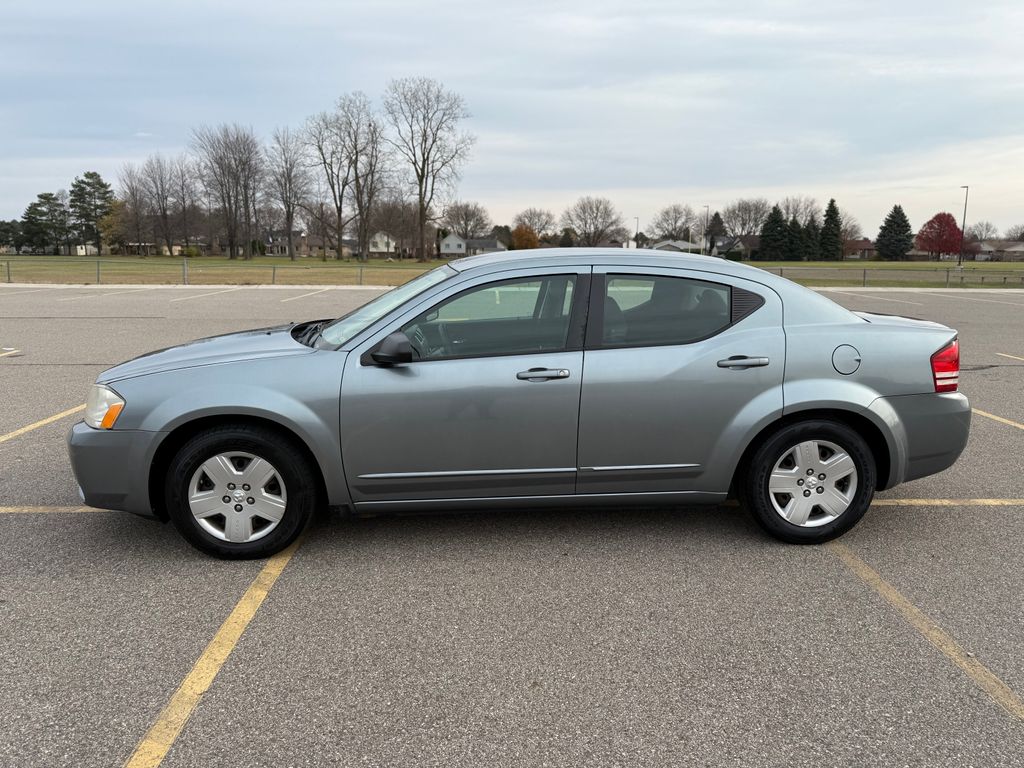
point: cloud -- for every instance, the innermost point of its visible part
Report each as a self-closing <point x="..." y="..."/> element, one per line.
<point x="648" y="101"/>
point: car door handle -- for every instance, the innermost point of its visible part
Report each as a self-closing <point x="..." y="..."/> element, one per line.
<point x="742" y="361"/>
<point x="543" y="374"/>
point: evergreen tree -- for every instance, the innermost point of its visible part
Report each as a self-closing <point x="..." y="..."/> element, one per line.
<point x="812" y="235"/>
<point x="774" y="237"/>
<point x="716" y="229"/>
<point x="91" y="199"/>
<point x="831" y="240"/>
<point x="797" y="248"/>
<point x="895" y="237"/>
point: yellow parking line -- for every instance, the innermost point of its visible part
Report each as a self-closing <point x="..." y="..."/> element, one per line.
<point x="982" y="676"/>
<point x="1000" y="419"/>
<point x="9" y="352"/>
<point x="41" y="423"/>
<point x="161" y="736"/>
<point x="947" y="503"/>
<point x="1012" y="357"/>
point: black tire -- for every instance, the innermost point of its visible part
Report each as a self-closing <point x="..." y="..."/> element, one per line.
<point x="286" y="457"/>
<point x="754" y="486"/>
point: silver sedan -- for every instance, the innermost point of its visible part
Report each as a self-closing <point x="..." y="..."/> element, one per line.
<point x="557" y="377"/>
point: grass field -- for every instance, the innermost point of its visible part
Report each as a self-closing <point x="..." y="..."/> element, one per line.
<point x="282" y="271"/>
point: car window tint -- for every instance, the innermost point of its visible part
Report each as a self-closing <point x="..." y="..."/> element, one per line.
<point x="503" y="318"/>
<point x="643" y="310"/>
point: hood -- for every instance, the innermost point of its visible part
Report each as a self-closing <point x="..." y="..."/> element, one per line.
<point x="876" y="318"/>
<point x="229" y="348"/>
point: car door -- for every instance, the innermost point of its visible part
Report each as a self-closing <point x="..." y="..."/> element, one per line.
<point x="489" y="406"/>
<point x="679" y="365"/>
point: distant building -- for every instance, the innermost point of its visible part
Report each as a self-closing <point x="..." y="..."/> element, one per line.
<point x="453" y="246"/>
<point x="677" y="246"/>
<point x="999" y="250"/>
<point x="861" y="248"/>
<point x="478" y="245"/>
<point x="382" y="244"/>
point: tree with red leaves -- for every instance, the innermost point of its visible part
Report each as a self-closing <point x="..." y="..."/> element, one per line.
<point x="940" y="235"/>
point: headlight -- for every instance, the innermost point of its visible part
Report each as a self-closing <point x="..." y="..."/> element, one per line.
<point x="102" y="407"/>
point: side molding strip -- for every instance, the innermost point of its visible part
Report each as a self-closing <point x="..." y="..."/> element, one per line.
<point x="637" y="467"/>
<point x="466" y="473"/>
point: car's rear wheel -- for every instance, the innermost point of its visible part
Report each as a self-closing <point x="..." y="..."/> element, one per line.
<point x="810" y="482"/>
<point x="240" y="492"/>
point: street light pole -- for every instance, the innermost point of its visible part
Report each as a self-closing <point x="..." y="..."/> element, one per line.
<point x="963" y="228"/>
<point x="704" y="236"/>
<point x="636" y="243"/>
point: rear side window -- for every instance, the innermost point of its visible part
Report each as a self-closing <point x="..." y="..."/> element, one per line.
<point x="653" y="310"/>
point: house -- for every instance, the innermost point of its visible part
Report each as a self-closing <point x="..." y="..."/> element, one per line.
<point x="677" y="246"/>
<point x="999" y="250"/>
<point x="453" y="246"/>
<point x="861" y="248"/>
<point x="477" y="245"/>
<point x="382" y="244"/>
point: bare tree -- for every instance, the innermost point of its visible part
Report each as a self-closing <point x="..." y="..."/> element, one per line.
<point x="217" y="150"/>
<point x="186" y="198"/>
<point x="397" y="216"/>
<point x="325" y="137"/>
<point x="539" y="220"/>
<point x="1016" y="232"/>
<point x="745" y="217"/>
<point x="136" y="201"/>
<point x="982" y="230"/>
<point x="467" y="219"/>
<point x="803" y="207"/>
<point x="288" y="178"/>
<point x="674" y="222"/>
<point x="363" y="138"/>
<point x="158" y="178"/>
<point x="594" y="219"/>
<point x="849" y="227"/>
<point x="425" y="118"/>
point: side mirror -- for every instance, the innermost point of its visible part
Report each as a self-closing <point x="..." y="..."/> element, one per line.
<point x="395" y="349"/>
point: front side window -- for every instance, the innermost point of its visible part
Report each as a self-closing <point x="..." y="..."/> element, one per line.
<point x="521" y="316"/>
<point x="652" y="310"/>
<point x="345" y="328"/>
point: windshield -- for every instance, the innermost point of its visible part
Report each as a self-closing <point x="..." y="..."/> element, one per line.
<point x="344" y="328"/>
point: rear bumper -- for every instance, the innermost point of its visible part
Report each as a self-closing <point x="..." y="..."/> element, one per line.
<point x="112" y="467"/>
<point x="935" y="429"/>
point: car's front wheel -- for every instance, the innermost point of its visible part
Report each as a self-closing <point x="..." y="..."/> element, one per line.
<point x="810" y="482"/>
<point x="239" y="492"/>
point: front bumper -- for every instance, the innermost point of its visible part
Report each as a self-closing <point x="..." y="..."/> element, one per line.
<point x="936" y="427"/>
<point x="112" y="467"/>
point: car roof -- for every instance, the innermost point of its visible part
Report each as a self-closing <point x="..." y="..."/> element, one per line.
<point x="540" y="257"/>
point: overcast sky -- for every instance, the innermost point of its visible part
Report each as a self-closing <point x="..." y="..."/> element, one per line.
<point x="645" y="102"/>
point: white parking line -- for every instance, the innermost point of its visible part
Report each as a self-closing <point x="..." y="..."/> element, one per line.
<point x="212" y="293"/>
<point x="971" y="298"/>
<point x="304" y="295"/>
<point x="878" y="298"/>
<point x="96" y="294"/>
<point x="17" y="292"/>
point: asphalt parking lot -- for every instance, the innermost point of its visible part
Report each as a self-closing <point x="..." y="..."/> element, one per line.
<point x="611" y="637"/>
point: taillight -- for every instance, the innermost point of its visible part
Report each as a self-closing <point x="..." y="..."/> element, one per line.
<point x="946" y="367"/>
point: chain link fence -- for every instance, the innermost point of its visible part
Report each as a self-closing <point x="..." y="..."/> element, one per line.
<point x="197" y="272"/>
